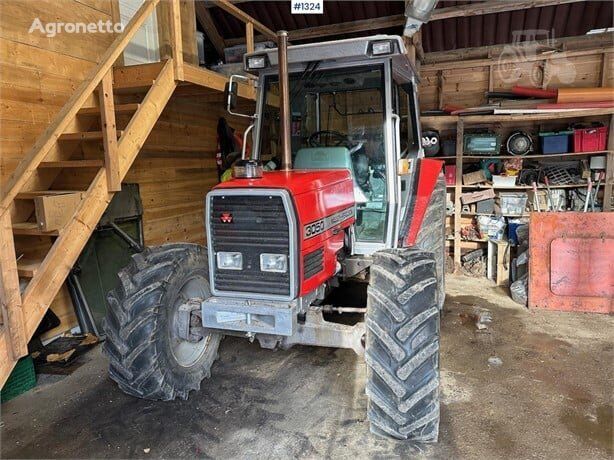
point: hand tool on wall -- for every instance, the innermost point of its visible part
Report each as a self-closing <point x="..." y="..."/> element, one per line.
<point x="552" y="208"/>
<point x="536" y="197"/>
<point x="588" y="194"/>
<point x="594" y="199"/>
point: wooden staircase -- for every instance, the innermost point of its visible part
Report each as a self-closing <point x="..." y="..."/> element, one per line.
<point x="33" y="206"/>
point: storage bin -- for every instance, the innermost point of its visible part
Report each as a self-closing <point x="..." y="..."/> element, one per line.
<point x="503" y="181"/>
<point x="555" y="142"/>
<point x="589" y="138"/>
<point x="450" y="173"/>
<point x="512" y="203"/>
<point x="482" y="144"/>
<point x="448" y="147"/>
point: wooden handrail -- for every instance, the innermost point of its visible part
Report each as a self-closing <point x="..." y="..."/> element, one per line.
<point x="39" y="150"/>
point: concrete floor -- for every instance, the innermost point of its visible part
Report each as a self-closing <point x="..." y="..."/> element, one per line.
<point x="551" y="397"/>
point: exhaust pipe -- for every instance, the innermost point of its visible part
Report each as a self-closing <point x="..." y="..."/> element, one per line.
<point x="284" y="100"/>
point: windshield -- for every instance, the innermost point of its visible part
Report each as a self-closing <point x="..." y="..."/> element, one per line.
<point x="337" y="122"/>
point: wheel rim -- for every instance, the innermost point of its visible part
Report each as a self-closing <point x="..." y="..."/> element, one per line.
<point x="188" y="353"/>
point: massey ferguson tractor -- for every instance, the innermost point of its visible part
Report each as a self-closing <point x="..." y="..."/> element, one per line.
<point x="340" y="245"/>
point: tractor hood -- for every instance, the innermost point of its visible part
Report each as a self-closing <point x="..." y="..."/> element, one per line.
<point x="295" y="181"/>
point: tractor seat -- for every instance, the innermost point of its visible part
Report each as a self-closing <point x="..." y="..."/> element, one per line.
<point x="329" y="158"/>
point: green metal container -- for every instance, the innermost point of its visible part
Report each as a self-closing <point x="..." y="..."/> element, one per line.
<point x="481" y="144"/>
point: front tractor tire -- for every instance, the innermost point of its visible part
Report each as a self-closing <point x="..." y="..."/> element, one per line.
<point x="147" y="356"/>
<point x="402" y="345"/>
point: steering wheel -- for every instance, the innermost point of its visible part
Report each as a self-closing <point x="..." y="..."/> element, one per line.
<point x="316" y="139"/>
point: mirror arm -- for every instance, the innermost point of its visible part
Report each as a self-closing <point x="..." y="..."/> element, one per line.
<point x="244" y="147"/>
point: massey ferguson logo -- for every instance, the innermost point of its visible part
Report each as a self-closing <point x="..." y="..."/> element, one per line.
<point x="226" y="217"/>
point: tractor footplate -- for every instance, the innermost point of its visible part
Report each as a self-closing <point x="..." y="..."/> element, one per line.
<point x="255" y="316"/>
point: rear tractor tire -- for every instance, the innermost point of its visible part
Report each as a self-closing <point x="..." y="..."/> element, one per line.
<point x="148" y="358"/>
<point x="402" y="345"/>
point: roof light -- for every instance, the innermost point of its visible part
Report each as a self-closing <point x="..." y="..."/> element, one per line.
<point x="256" y="62"/>
<point x="381" y="47"/>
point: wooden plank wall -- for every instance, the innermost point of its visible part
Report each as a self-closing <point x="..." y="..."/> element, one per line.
<point x="451" y="82"/>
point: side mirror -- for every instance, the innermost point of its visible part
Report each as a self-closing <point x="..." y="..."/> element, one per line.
<point x="230" y="95"/>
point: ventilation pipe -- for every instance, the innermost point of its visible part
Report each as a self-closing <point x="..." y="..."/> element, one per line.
<point x="284" y="100"/>
<point x="418" y="12"/>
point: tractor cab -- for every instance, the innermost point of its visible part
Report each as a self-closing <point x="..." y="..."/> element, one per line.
<point x="353" y="106"/>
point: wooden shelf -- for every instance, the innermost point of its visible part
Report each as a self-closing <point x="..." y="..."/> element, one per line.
<point x="460" y="124"/>
<point x="535" y="156"/>
<point x="522" y="187"/>
<point x="515" y="117"/>
<point x="494" y="214"/>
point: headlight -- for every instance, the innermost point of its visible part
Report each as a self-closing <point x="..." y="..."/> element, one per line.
<point x="277" y="263"/>
<point x="383" y="47"/>
<point x="256" y="62"/>
<point x="229" y="261"/>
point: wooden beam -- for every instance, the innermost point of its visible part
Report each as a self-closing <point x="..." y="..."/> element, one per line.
<point x="243" y="16"/>
<point x="48" y="139"/>
<point x="109" y="132"/>
<point x="176" y="39"/>
<point x="492" y="6"/>
<point x="207" y="23"/>
<point x="215" y="81"/>
<point x="249" y="37"/>
<point x="591" y="41"/>
<point x="495" y="60"/>
<point x="308" y="33"/>
<point x="10" y="296"/>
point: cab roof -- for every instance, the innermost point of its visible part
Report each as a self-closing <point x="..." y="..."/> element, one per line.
<point x="340" y="51"/>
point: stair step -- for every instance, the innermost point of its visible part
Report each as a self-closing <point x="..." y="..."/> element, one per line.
<point x="84" y="136"/>
<point x="31" y="229"/>
<point x="26" y="268"/>
<point x="72" y="164"/>
<point x="34" y="193"/>
<point x="119" y="108"/>
<point x="137" y="86"/>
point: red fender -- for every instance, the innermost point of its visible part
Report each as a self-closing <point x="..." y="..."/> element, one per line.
<point x="428" y="172"/>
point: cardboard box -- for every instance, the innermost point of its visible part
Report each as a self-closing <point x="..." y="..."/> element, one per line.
<point x="472" y="197"/>
<point x="474" y="177"/>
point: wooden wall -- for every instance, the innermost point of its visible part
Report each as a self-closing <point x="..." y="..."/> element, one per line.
<point x="38" y="75"/>
<point x="461" y="78"/>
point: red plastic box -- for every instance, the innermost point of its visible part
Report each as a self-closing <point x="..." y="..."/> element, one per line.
<point x="450" y="173"/>
<point x="589" y="138"/>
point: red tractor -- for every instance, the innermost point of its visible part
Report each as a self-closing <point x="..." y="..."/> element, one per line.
<point x="339" y="244"/>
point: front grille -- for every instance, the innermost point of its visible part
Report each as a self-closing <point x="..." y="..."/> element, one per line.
<point x="313" y="263"/>
<point x="258" y="224"/>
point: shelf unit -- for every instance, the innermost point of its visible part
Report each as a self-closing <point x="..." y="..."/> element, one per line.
<point x="498" y="122"/>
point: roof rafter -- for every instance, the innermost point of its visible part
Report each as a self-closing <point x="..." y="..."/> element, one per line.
<point x="385" y="22"/>
<point x="206" y="21"/>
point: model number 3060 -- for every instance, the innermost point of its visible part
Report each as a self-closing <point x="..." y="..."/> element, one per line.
<point x="314" y="228"/>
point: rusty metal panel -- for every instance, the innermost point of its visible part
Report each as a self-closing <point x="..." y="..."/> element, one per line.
<point x="582" y="267"/>
<point x="571" y="261"/>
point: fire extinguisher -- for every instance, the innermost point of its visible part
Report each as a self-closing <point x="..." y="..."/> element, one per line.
<point x="218" y="159"/>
